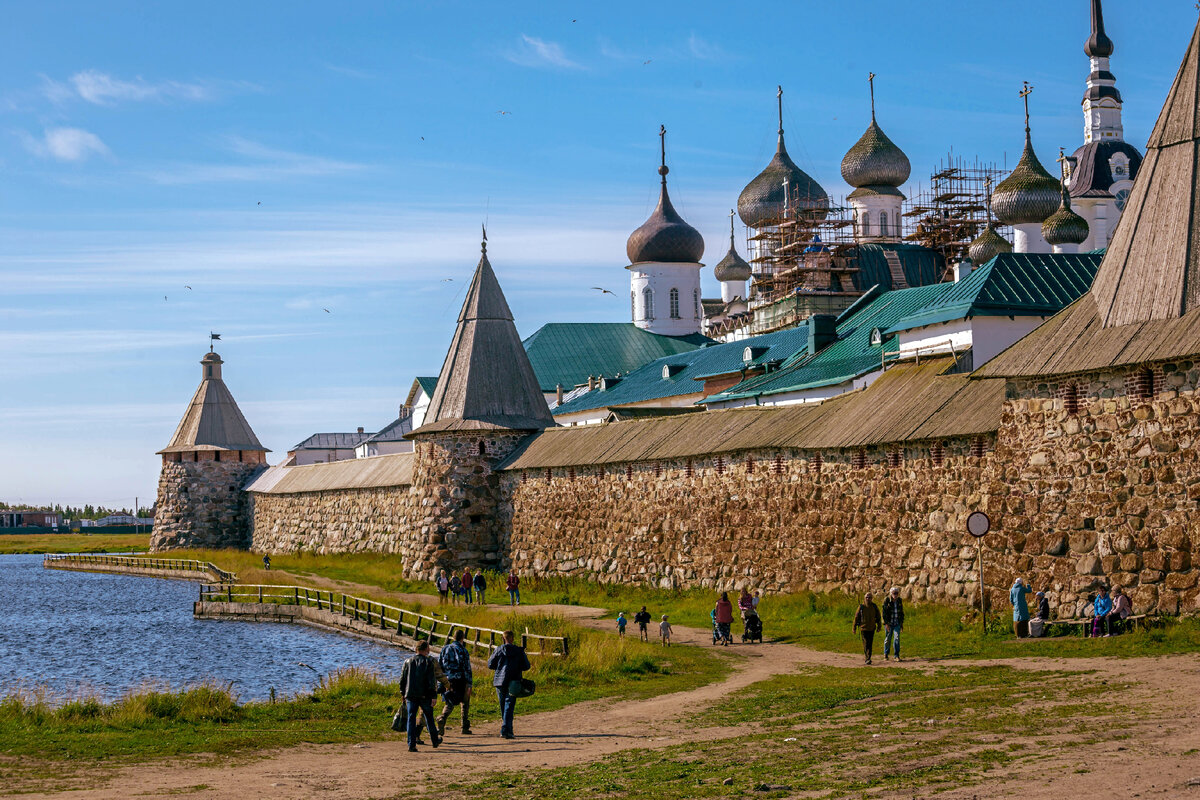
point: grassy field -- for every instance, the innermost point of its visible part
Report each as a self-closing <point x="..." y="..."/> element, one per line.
<point x="17" y="543"/>
<point x="849" y="732"/>
<point x="820" y="621"/>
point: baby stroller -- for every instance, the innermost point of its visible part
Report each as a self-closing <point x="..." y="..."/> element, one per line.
<point x="752" y="627"/>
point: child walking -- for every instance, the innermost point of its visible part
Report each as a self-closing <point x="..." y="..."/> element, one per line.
<point x="621" y="622"/>
<point x="664" y="630"/>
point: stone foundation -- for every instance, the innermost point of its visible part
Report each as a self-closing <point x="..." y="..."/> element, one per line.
<point x="201" y="504"/>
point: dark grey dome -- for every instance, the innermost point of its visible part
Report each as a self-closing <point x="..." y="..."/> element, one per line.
<point x="761" y="203"/>
<point x="732" y="267"/>
<point x="988" y="245"/>
<point x="1091" y="170"/>
<point x="875" y="160"/>
<point x="1028" y="194"/>
<point x="1098" y="44"/>
<point x="665" y="236"/>
<point x="1065" y="226"/>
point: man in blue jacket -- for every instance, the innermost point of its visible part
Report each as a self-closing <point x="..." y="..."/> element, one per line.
<point x="509" y="662"/>
<point x="456" y="663"/>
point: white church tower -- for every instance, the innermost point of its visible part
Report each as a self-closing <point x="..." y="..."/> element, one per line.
<point x="1102" y="171"/>
<point x="664" y="266"/>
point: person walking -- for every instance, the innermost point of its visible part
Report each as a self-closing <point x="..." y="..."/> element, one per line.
<point x="893" y="623"/>
<point x="455" y="588"/>
<point x="456" y="664"/>
<point x="621" y="624"/>
<point x="745" y="603"/>
<point x="480" y="583"/>
<point x="467" y="583"/>
<point x="419" y="684"/>
<point x="513" y="584"/>
<point x="267" y="563"/>
<point x="1016" y="595"/>
<point x="664" y="631"/>
<point x="642" y="618"/>
<point x="724" y="618"/>
<point x="509" y="663"/>
<point x="867" y="619"/>
<point x="443" y="586"/>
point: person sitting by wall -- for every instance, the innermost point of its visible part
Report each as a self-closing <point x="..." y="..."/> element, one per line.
<point x="1020" y="607"/>
<point x="1037" y="625"/>
<point x="1102" y="607"/>
<point x="1121" y="611"/>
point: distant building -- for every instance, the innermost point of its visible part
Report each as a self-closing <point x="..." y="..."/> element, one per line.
<point x="322" y="448"/>
<point x="123" y="519"/>
<point x="391" y="439"/>
<point x="24" y="518"/>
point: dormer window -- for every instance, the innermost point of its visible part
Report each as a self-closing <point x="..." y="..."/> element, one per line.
<point x="671" y="370"/>
<point x="1119" y="164"/>
<point x="752" y="354"/>
<point x="876" y="337"/>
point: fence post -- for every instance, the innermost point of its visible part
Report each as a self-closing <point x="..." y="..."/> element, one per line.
<point x="229" y="586"/>
<point x="343" y="605"/>
<point x="260" y="593"/>
<point x="565" y="648"/>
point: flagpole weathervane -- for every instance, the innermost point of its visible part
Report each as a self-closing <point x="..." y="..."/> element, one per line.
<point x="871" y="81"/>
<point x="212" y="337"/>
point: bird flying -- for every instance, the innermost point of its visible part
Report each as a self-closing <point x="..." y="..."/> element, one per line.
<point x="326" y="310"/>
<point x="447" y="280"/>
<point x="647" y="61"/>
<point x="604" y="291"/>
<point x="502" y="113"/>
<point x="187" y="287"/>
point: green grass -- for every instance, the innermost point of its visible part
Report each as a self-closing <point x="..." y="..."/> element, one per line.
<point x="20" y="543"/>
<point x="819" y="621"/>
<point x="847" y="732"/>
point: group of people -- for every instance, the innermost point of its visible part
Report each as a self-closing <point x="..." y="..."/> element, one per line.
<point x="869" y="619"/>
<point x="1108" y="612"/>
<point x="424" y="678"/>
<point x="722" y="614"/>
<point x="472" y="588"/>
<point x="642" y="620"/>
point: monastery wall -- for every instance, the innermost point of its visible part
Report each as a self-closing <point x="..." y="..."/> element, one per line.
<point x="1099" y="488"/>
<point x="201" y="503"/>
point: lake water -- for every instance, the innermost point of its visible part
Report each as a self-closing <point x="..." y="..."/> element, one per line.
<point x="83" y="632"/>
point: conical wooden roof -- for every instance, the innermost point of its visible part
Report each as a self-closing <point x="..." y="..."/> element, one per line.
<point x="213" y="421"/>
<point x="486" y="382"/>
<point x="1152" y="267"/>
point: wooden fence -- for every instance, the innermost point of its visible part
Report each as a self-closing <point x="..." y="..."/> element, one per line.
<point x="408" y="623"/>
<point x="84" y="560"/>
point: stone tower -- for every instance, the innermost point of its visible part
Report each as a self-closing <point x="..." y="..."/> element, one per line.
<point x="212" y="455"/>
<point x="486" y="402"/>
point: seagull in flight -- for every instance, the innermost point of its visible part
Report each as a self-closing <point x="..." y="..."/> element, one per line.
<point x="187" y="287"/>
<point x="502" y="113"/>
<point x="447" y="280"/>
<point x="647" y="61"/>
<point x="604" y="291"/>
<point x="326" y="310"/>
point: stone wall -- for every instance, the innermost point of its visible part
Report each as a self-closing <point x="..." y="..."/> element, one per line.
<point x="1088" y="482"/>
<point x="447" y="518"/>
<point x="201" y="503"/>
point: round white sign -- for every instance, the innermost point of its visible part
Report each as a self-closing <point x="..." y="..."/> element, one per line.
<point x="978" y="523"/>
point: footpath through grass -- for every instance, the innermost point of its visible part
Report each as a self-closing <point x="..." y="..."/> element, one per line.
<point x="849" y="732"/>
<point x="26" y="543"/>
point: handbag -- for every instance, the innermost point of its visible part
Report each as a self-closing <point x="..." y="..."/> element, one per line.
<point x="521" y="688"/>
<point x="400" y="719"/>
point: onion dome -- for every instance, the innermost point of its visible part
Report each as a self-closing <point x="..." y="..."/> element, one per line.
<point x="1098" y="44"/>
<point x="875" y="160"/>
<point x="1065" y="226"/>
<point x="762" y="202"/>
<point x="1028" y="194"/>
<point x="732" y="267"/>
<point x="988" y="245"/>
<point x="665" y="237"/>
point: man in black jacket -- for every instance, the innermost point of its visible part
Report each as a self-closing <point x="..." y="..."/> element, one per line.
<point x="893" y="623"/>
<point x="510" y="662"/>
<point x="419" y="684"/>
<point x="867" y="620"/>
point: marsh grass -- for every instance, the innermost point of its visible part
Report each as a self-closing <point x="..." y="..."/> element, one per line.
<point x="21" y="543"/>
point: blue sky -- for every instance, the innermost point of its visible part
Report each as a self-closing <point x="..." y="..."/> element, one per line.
<point x="285" y="158"/>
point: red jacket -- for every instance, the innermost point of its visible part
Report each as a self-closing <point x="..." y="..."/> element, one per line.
<point x="724" y="612"/>
<point x="513" y="582"/>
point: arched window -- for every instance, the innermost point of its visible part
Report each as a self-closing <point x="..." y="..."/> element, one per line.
<point x="883" y="223"/>
<point x="864" y="221"/>
<point x="632" y="304"/>
<point x="674" y="303"/>
<point x="695" y="303"/>
<point x="647" y="303"/>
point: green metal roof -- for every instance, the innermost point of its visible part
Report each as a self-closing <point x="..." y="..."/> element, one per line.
<point x="851" y="355"/>
<point x="427" y="384"/>
<point x="1011" y="285"/>
<point x="568" y="353"/>
<point x="686" y="371"/>
<point x="922" y="266"/>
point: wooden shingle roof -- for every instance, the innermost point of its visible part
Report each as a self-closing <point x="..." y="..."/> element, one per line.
<point x="213" y="420"/>
<point x="909" y="402"/>
<point x="486" y="382"/>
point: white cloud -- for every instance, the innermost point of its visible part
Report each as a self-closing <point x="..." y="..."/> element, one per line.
<point x="103" y="89"/>
<point x="534" y="52"/>
<point x="703" y="49"/>
<point x="66" y="144"/>
<point x="263" y="164"/>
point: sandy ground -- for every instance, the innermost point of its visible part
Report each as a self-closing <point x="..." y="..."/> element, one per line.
<point x="1159" y="761"/>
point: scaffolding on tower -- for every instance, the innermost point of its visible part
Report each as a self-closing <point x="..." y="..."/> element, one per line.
<point x="953" y="210"/>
